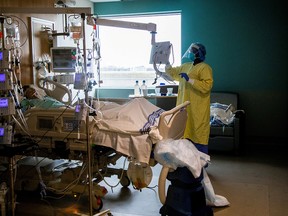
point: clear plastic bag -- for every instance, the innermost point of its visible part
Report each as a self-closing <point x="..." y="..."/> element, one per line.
<point x="221" y="114"/>
<point x="180" y="153"/>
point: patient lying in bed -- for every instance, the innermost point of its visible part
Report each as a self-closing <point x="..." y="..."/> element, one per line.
<point x="123" y="128"/>
<point x="35" y="97"/>
<point x="130" y="128"/>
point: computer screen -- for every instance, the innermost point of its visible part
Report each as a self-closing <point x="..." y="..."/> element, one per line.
<point x="63" y="59"/>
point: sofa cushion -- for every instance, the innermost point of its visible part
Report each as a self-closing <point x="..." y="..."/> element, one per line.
<point x="221" y="131"/>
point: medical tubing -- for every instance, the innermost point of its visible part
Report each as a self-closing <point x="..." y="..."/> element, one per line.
<point x="87" y="105"/>
<point x="162" y="184"/>
<point x="173" y="58"/>
<point x="52" y="197"/>
<point x="162" y="74"/>
<point x="23" y="120"/>
<point x="16" y="100"/>
<point x="121" y="176"/>
<point x="98" y="101"/>
<point x="72" y="184"/>
<point x="95" y="110"/>
<point x="24" y="130"/>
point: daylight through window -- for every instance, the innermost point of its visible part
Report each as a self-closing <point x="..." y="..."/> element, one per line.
<point x="125" y="53"/>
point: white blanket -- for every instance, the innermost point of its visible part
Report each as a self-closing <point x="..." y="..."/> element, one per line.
<point x="125" y="128"/>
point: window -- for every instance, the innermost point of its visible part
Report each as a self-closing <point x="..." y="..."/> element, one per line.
<point x="125" y="53"/>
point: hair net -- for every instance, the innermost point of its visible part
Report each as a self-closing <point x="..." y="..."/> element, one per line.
<point x="197" y="49"/>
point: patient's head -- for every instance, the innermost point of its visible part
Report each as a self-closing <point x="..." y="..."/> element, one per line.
<point x="32" y="92"/>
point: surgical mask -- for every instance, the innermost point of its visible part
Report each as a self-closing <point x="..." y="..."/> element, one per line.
<point x="191" y="56"/>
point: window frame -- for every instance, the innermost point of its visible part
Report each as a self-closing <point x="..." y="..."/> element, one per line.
<point x="129" y="75"/>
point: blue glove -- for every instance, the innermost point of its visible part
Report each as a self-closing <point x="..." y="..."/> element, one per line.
<point x="184" y="75"/>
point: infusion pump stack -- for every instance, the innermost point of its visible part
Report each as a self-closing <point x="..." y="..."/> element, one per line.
<point x="10" y="71"/>
<point x="7" y="104"/>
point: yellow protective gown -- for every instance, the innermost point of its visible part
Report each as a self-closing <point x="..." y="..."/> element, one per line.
<point x="198" y="93"/>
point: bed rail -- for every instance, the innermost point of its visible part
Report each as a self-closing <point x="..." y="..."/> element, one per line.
<point x="172" y="123"/>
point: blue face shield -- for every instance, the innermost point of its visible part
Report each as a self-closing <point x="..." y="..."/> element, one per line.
<point x="196" y="50"/>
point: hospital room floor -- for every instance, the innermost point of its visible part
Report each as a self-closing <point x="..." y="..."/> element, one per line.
<point x="255" y="184"/>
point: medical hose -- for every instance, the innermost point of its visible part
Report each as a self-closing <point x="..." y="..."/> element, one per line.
<point x="162" y="184"/>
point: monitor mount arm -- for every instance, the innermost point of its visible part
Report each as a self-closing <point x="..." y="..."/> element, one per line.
<point x="151" y="27"/>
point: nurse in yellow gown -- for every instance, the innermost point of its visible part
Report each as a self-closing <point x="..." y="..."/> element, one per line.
<point x="195" y="84"/>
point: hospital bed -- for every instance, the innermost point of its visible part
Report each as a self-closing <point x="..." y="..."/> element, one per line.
<point x="129" y="130"/>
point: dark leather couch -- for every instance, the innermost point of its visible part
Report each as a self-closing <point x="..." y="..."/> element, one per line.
<point x="228" y="138"/>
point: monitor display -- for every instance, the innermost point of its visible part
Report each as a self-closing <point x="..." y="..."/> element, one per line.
<point x="3" y="102"/>
<point x="2" y="77"/>
<point x="63" y="59"/>
<point x="78" y="108"/>
<point x="1" y="131"/>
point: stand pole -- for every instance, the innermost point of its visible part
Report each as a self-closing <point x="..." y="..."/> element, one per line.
<point x="90" y="183"/>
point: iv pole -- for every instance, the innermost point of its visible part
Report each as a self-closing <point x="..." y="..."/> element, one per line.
<point x="90" y="183"/>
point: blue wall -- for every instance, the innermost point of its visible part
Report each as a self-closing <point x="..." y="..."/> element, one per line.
<point x="246" y="44"/>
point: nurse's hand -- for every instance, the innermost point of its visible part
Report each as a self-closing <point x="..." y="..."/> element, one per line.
<point x="184" y="75"/>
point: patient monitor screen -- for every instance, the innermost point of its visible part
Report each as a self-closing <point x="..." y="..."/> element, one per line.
<point x="3" y="102"/>
<point x="63" y="59"/>
<point x="2" y="77"/>
<point x="1" y="131"/>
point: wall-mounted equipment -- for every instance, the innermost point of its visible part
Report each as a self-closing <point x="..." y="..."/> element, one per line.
<point x="63" y="59"/>
<point x="160" y="52"/>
